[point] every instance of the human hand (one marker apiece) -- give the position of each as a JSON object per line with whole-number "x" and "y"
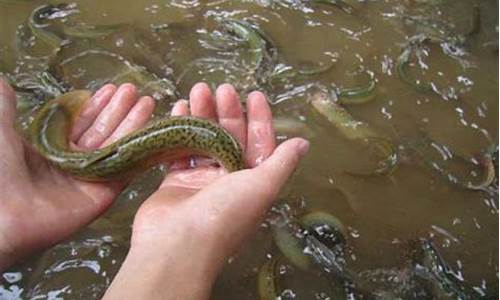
{"x": 39, "y": 205}
{"x": 183, "y": 234}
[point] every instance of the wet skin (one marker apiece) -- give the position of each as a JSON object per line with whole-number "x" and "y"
{"x": 203, "y": 209}
{"x": 164, "y": 140}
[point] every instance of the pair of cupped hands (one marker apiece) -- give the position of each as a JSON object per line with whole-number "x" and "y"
{"x": 183, "y": 233}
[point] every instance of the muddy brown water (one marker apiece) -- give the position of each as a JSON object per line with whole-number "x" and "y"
{"x": 381, "y": 212}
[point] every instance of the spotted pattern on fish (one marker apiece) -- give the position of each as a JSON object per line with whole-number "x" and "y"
{"x": 163, "y": 140}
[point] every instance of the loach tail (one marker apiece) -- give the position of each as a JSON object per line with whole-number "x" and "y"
{"x": 50, "y": 128}
{"x": 72, "y": 104}
{"x": 73, "y": 101}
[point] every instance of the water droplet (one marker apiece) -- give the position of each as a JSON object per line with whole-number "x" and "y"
{"x": 353, "y": 232}
{"x": 12, "y": 277}
{"x": 132, "y": 195}
{"x": 119, "y": 42}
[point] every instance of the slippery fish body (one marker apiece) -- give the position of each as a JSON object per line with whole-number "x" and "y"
{"x": 355, "y": 130}
{"x": 161, "y": 141}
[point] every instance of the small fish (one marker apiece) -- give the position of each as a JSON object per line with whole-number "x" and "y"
{"x": 355, "y": 130}
{"x": 161, "y": 141}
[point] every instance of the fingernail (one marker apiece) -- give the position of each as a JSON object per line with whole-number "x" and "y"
{"x": 129, "y": 87}
{"x": 5, "y": 89}
{"x": 183, "y": 102}
{"x": 200, "y": 85}
{"x": 102, "y": 91}
{"x": 303, "y": 147}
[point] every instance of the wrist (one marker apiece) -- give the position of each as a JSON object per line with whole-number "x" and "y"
{"x": 6, "y": 258}
{"x": 178, "y": 263}
{"x": 172, "y": 274}
{"x": 7, "y": 254}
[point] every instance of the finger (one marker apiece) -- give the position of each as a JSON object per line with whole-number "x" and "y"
{"x": 7, "y": 105}
{"x": 137, "y": 117}
{"x": 12, "y": 150}
{"x": 181, "y": 108}
{"x": 202, "y": 106}
{"x": 201, "y": 102}
{"x": 260, "y": 132}
{"x": 253, "y": 191}
{"x": 91, "y": 110}
{"x": 281, "y": 164}
{"x": 204, "y": 161}
{"x": 110, "y": 117}
{"x": 103, "y": 193}
{"x": 230, "y": 112}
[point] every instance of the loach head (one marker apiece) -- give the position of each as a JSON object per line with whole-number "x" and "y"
{"x": 327, "y": 229}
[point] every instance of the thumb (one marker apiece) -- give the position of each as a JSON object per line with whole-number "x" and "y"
{"x": 12, "y": 151}
{"x": 285, "y": 158}
{"x": 7, "y": 104}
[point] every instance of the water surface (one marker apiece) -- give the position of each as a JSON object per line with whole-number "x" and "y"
{"x": 382, "y": 212}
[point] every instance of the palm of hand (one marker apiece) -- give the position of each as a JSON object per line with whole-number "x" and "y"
{"x": 41, "y": 205}
{"x": 179, "y": 200}
{"x": 203, "y": 210}
{"x": 256, "y": 135}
